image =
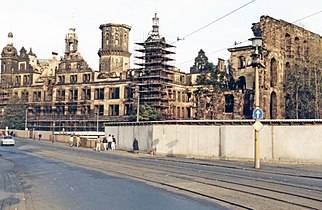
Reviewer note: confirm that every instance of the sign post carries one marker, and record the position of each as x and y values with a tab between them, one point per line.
257	115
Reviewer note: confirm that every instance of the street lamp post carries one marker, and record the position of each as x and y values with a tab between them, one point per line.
26	120
256	55
138	109
54	124
97	121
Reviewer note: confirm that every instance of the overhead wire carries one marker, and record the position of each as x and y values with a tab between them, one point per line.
225	48
220	18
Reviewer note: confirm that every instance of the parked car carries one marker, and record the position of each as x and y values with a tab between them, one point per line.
7	140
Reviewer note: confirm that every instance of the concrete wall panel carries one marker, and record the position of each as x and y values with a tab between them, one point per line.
144	136
290	143
237	141
208	141
298	143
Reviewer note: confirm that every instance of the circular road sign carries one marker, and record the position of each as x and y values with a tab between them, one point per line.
258	114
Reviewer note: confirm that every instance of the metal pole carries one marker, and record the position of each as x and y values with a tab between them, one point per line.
97	121
54	131
26	120
257	134
138	109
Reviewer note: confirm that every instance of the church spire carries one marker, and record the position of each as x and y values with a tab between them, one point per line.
155	27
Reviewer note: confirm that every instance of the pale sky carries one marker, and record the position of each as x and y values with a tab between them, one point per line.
43	24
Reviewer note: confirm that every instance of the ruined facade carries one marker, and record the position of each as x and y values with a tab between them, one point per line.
66	94
288	51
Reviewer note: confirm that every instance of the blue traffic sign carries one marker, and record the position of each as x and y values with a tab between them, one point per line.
258	114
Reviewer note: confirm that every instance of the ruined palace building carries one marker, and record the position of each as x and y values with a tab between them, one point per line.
66	93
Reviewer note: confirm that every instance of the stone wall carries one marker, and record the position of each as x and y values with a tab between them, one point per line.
298	143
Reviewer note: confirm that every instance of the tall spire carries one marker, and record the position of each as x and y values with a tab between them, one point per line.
155	27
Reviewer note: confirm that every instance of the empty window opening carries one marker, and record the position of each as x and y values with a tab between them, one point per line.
36	96
115	93
117	39
114	110
128	109
229	103
273	72
242	62
241	83
297	47
273	106
128	93
73	95
288	45
99	93
73	78
287	71
86	94
60	95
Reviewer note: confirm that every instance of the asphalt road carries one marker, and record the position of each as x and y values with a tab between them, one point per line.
35	175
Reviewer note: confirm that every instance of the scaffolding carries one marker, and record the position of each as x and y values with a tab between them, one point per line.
156	76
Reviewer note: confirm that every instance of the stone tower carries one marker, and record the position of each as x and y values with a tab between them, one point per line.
9	61
71	41
114	52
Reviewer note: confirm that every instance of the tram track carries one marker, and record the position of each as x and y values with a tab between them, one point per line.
234	194
251	178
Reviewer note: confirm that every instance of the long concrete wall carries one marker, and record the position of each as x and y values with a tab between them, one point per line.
278	143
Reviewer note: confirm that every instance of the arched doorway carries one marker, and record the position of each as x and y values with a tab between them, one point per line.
273	106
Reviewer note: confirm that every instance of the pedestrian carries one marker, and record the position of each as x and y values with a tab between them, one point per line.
71	140
105	143
135	145
113	142
98	144
109	141
77	141
39	136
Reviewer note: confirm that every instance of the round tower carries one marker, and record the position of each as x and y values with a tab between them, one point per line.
114	52
9	60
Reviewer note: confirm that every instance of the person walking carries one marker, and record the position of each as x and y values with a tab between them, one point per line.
98	144
39	136
105	143
77	141
109	141
71	140
113	144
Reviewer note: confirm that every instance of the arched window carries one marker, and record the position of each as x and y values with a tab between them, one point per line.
288	45
273	106
287	71
306	75
125	41
241	62
107	38
117	39
273	72
297	47
305	50
71	46
241	83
